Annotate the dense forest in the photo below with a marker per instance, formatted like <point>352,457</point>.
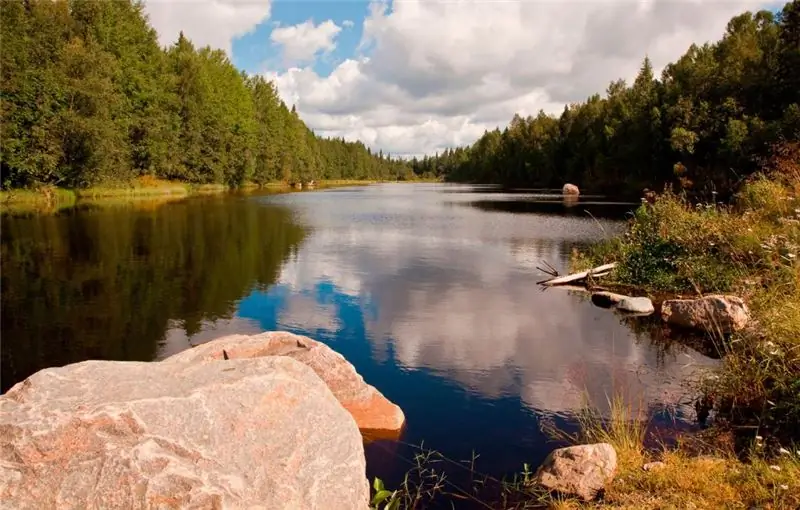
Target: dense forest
<point>706,124</point>
<point>88,97</point>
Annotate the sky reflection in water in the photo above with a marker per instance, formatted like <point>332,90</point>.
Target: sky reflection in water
<point>430,291</point>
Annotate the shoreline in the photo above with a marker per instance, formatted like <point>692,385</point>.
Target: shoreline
<point>50,198</point>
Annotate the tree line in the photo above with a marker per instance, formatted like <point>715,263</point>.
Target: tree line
<point>88,96</point>
<point>704,125</point>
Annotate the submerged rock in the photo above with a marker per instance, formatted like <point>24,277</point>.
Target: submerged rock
<point>581,471</point>
<point>637,305</point>
<point>606,299</point>
<point>570,189</point>
<point>259,434</point>
<point>375,415</point>
<point>714,313</point>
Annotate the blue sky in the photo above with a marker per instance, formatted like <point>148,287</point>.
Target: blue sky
<point>255,52</point>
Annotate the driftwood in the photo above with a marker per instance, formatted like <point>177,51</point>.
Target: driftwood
<point>572,278</point>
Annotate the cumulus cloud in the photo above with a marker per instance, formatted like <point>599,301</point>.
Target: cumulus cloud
<point>435,74</point>
<point>206,22</point>
<point>348,23</point>
<point>302,43</point>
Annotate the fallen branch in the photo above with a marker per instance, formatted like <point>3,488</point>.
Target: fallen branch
<point>594,273</point>
<point>552,273</point>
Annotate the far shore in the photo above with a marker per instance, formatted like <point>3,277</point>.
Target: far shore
<point>50,198</point>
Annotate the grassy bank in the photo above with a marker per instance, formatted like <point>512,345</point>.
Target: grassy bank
<point>696,474</point>
<point>50,198</point>
<point>750,248</point>
<point>700,472</point>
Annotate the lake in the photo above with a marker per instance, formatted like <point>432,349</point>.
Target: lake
<point>429,290</point>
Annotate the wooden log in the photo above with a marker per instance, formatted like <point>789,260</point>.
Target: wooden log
<point>571,278</point>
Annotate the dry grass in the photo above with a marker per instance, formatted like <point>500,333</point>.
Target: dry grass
<point>712,482</point>
<point>39,199</point>
<point>715,480</point>
<point>145,185</point>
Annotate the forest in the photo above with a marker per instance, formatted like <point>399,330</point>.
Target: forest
<point>704,126</point>
<point>88,97</point>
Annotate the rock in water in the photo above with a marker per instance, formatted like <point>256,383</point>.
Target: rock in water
<point>570,189</point>
<point>714,313</point>
<point>258,434</point>
<point>606,299</point>
<point>637,305</point>
<point>375,415</point>
<point>579,470</point>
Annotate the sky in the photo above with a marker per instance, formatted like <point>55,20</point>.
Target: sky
<point>415,77</point>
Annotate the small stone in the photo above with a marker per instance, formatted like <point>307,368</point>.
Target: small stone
<point>580,471</point>
<point>639,305</point>
<point>654,466</point>
<point>606,299</point>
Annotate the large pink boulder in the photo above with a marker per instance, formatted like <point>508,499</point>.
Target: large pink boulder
<point>259,434</point>
<point>374,414</point>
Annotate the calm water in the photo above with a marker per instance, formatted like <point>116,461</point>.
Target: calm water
<point>428,289</point>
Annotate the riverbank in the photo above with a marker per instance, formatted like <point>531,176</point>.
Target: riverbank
<point>748,248</point>
<point>49,198</point>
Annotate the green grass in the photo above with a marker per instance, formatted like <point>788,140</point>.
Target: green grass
<point>44,199</point>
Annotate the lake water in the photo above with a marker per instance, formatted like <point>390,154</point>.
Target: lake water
<point>430,290</point>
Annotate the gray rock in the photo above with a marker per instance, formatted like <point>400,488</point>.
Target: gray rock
<point>606,299</point>
<point>264,433</point>
<point>713,313</point>
<point>375,415</point>
<point>579,470</point>
<point>637,305</point>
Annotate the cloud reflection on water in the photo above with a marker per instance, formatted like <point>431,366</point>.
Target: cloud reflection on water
<point>456,294</point>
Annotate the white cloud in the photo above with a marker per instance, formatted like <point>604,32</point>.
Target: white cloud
<point>206,22</point>
<point>438,74</point>
<point>348,23</point>
<point>301,43</point>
